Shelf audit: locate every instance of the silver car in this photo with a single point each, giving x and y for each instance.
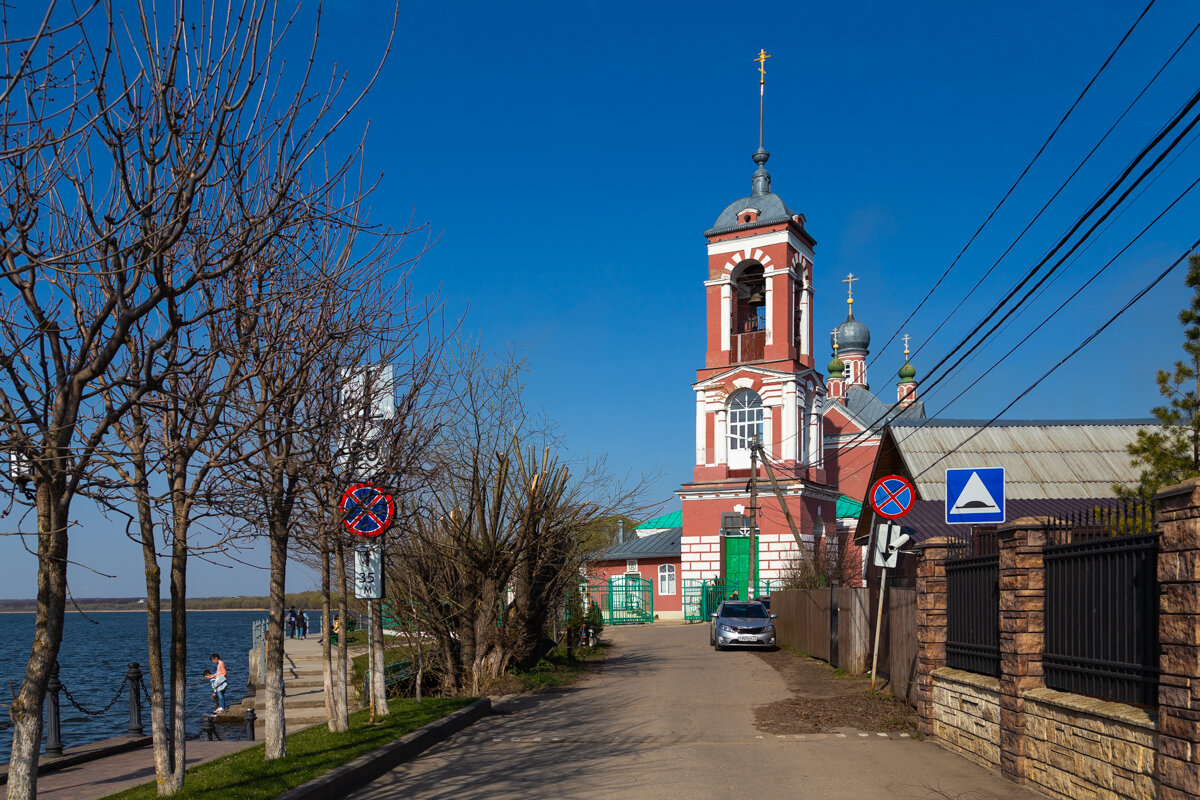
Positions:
(745, 623)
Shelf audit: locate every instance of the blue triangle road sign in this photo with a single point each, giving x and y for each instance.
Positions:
(975, 496)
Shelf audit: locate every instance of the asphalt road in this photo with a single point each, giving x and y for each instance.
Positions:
(668, 717)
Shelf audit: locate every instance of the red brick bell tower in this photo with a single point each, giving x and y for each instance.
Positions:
(758, 383)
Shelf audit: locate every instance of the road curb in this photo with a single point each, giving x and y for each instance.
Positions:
(339, 782)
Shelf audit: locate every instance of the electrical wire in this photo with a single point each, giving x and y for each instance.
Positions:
(1090, 338)
(1053, 197)
(1024, 172)
(1030, 274)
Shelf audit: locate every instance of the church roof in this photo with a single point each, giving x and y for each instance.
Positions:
(771, 211)
(871, 412)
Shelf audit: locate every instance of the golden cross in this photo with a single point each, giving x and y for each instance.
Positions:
(849, 281)
(762, 66)
(906, 337)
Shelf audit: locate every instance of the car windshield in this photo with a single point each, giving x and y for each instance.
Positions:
(744, 610)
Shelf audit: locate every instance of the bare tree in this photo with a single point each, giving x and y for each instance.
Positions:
(179, 129)
(496, 539)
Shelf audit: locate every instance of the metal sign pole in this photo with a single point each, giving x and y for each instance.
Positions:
(371, 665)
(878, 625)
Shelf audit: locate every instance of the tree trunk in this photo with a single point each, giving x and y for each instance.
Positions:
(379, 674)
(331, 715)
(158, 713)
(276, 729)
(179, 674)
(342, 689)
(26, 708)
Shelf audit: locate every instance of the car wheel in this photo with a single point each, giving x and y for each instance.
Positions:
(720, 647)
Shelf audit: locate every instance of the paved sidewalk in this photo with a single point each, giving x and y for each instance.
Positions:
(107, 775)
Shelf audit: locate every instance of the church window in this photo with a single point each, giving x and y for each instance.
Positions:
(666, 579)
(745, 419)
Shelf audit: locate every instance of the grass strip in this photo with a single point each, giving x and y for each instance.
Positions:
(310, 753)
(555, 669)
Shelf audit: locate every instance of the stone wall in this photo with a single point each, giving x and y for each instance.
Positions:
(1079, 748)
(1069, 746)
(966, 714)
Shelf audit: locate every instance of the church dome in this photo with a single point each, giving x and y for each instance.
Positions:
(770, 210)
(836, 367)
(907, 373)
(851, 335)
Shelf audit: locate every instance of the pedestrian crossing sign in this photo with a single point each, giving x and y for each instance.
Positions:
(975, 496)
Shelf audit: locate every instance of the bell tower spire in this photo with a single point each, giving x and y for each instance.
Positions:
(762, 179)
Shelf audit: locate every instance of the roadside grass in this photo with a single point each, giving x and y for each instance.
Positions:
(555, 669)
(310, 753)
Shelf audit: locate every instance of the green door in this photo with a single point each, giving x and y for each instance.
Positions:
(737, 565)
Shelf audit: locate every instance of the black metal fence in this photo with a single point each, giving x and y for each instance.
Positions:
(973, 604)
(1102, 604)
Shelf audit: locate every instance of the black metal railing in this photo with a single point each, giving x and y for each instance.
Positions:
(973, 605)
(1102, 604)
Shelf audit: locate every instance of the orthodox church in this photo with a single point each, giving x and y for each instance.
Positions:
(760, 384)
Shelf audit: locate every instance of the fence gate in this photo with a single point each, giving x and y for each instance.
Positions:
(623, 599)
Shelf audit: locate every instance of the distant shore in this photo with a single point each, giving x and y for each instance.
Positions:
(125, 610)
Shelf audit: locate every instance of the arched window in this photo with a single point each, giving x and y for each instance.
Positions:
(745, 421)
(750, 309)
(666, 579)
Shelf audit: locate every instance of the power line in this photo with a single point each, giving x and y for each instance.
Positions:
(1020, 177)
(1030, 274)
(1057, 192)
(1145, 290)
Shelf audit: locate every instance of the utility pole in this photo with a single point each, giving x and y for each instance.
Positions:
(753, 555)
(804, 556)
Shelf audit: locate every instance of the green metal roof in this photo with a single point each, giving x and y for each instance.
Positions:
(848, 508)
(672, 520)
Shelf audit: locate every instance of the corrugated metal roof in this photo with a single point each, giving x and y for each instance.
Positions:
(672, 520)
(1042, 459)
(656, 545)
(927, 519)
(848, 508)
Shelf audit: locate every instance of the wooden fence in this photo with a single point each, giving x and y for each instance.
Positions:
(806, 619)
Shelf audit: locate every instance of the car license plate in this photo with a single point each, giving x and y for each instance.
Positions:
(748, 638)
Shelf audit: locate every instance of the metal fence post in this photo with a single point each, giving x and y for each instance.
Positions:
(53, 717)
(134, 678)
(248, 723)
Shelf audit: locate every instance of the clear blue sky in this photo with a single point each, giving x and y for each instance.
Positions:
(569, 157)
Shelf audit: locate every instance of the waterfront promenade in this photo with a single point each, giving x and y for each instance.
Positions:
(304, 705)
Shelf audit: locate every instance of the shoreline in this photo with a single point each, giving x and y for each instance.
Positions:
(133, 610)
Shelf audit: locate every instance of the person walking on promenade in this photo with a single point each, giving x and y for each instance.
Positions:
(336, 629)
(220, 681)
(291, 623)
(302, 624)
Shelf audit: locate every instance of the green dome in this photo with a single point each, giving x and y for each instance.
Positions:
(907, 373)
(836, 367)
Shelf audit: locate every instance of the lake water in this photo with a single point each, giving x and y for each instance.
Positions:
(95, 655)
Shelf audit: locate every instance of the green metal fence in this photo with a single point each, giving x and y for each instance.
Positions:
(702, 596)
(623, 599)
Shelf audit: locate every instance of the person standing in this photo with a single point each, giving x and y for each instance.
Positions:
(291, 623)
(302, 622)
(219, 680)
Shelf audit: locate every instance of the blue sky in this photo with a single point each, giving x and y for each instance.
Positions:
(569, 156)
